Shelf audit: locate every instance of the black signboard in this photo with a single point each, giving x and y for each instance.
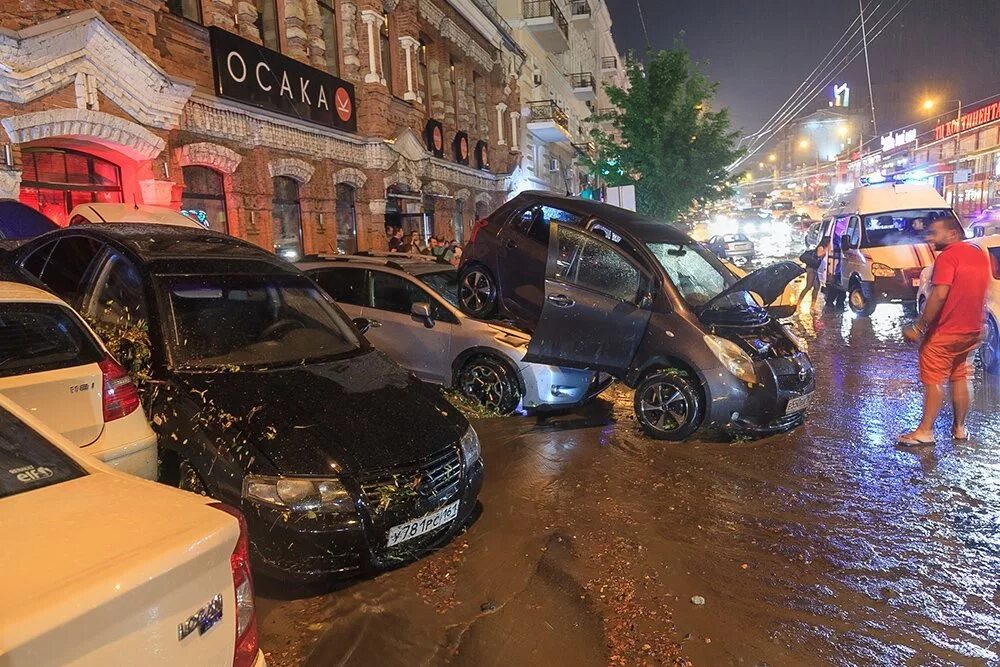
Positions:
(483, 155)
(434, 136)
(460, 147)
(249, 73)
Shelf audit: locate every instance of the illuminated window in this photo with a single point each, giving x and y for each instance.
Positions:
(204, 198)
(286, 218)
(267, 23)
(332, 53)
(56, 180)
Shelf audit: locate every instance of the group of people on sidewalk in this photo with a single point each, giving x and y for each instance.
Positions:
(448, 251)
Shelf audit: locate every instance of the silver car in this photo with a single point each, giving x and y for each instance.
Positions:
(407, 307)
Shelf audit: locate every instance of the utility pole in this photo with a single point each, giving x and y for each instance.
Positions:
(868, 67)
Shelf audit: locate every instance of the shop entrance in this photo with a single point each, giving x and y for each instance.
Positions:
(54, 180)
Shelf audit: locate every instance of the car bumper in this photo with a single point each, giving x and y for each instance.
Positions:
(894, 289)
(128, 445)
(556, 387)
(298, 547)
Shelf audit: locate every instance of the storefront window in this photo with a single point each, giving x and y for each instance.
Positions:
(332, 53)
(458, 222)
(267, 23)
(347, 226)
(189, 9)
(286, 217)
(386, 46)
(204, 198)
(54, 181)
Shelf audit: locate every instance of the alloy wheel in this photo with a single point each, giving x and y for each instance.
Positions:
(664, 407)
(490, 384)
(476, 291)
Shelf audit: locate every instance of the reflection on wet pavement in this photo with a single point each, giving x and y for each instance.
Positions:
(828, 545)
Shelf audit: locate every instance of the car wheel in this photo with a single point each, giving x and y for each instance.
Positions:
(668, 406)
(477, 292)
(189, 479)
(989, 352)
(860, 299)
(490, 382)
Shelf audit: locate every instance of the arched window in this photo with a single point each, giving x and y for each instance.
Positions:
(286, 218)
(458, 222)
(204, 197)
(482, 210)
(54, 180)
(386, 53)
(267, 23)
(328, 17)
(347, 225)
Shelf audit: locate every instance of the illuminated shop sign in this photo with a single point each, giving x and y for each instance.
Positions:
(249, 73)
(899, 139)
(971, 120)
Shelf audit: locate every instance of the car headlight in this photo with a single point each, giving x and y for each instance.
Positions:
(299, 494)
(733, 358)
(470, 447)
(882, 271)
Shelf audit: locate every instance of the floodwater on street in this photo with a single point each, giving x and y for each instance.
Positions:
(829, 545)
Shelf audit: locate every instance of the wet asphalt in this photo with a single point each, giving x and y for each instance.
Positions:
(828, 545)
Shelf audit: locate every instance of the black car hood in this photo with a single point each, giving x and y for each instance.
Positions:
(357, 415)
(768, 283)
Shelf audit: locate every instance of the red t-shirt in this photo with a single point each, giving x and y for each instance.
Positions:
(966, 269)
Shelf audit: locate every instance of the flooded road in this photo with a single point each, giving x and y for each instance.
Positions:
(825, 546)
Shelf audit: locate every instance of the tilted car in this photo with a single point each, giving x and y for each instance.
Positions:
(102, 568)
(736, 247)
(409, 309)
(53, 365)
(604, 289)
(265, 396)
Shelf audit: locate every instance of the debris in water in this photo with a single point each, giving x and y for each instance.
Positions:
(697, 599)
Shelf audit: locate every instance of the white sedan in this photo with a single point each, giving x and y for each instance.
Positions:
(102, 568)
(54, 366)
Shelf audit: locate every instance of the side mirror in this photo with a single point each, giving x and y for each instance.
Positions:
(422, 311)
(364, 324)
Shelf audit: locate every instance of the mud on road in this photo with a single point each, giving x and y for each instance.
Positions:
(597, 546)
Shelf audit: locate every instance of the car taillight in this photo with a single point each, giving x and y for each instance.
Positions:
(246, 612)
(120, 397)
(475, 229)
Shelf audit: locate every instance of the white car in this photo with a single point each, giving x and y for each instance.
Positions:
(55, 367)
(102, 212)
(989, 352)
(407, 306)
(101, 568)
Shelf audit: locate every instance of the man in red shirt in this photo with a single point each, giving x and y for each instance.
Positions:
(951, 327)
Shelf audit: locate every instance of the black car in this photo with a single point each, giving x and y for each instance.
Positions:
(265, 396)
(605, 289)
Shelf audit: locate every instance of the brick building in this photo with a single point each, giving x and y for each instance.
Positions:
(320, 121)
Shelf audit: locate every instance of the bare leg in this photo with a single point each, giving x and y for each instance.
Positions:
(961, 396)
(933, 400)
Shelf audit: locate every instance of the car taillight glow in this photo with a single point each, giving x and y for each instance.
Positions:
(245, 652)
(475, 229)
(119, 395)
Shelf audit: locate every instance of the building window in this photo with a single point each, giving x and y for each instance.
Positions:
(347, 224)
(204, 198)
(332, 53)
(53, 181)
(423, 75)
(458, 222)
(386, 53)
(267, 23)
(286, 218)
(189, 9)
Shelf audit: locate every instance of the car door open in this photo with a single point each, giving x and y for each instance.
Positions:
(596, 305)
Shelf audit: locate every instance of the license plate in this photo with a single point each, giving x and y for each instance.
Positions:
(798, 404)
(916, 282)
(426, 523)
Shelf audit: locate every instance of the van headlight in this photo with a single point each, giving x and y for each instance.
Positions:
(733, 358)
(882, 271)
(299, 494)
(470, 448)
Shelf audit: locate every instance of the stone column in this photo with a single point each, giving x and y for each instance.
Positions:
(501, 141)
(410, 46)
(373, 23)
(515, 122)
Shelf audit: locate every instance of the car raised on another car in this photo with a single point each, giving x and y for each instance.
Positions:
(408, 307)
(102, 568)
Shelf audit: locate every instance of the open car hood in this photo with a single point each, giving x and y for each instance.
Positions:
(768, 283)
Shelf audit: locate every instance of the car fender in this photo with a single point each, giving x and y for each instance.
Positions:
(468, 353)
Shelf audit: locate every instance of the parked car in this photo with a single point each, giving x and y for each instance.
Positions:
(53, 365)
(408, 308)
(265, 396)
(732, 246)
(98, 213)
(101, 568)
(989, 352)
(604, 289)
(985, 223)
(20, 221)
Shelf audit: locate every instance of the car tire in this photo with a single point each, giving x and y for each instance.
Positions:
(490, 382)
(668, 405)
(989, 351)
(860, 300)
(477, 291)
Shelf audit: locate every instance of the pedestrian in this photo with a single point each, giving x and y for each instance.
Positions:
(416, 243)
(456, 255)
(815, 261)
(949, 329)
(396, 240)
(438, 248)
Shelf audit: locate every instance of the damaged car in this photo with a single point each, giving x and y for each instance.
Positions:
(605, 289)
(265, 396)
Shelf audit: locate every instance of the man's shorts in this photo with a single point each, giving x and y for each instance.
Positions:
(945, 357)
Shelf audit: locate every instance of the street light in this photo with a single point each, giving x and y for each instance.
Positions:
(804, 144)
(772, 158)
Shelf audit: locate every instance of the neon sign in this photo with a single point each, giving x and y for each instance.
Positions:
(973, 119)
(842, 95)
(899, 139)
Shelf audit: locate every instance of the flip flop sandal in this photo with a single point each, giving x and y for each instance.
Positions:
(907, 441)
(959, 440)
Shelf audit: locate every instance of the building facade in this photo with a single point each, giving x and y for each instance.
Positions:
(304, 126)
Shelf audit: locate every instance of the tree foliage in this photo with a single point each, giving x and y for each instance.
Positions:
(673, 147)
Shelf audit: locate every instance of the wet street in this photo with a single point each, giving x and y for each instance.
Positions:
(825, 546)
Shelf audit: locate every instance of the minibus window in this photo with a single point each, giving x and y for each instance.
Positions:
(900, 227)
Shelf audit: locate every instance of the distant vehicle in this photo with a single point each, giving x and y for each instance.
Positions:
(800, 222)
(758, 199)
(20, 221)
(824, 202)
(732, 246)
(812, 237)
(779, 209)
(985, 223)
(409, 310)
(54, 366)
(138, 213)
(107, 569)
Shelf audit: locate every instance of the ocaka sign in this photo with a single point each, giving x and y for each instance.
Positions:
(249, 73)
(971, 120)
(483, 155)
(460, 147)
(434, 136)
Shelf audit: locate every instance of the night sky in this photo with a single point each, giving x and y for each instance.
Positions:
(760, 50)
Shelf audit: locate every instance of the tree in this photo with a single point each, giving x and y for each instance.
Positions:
(673, 147)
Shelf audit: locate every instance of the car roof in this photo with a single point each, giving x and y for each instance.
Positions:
(135, 213)
(17, 292)
(887, 197)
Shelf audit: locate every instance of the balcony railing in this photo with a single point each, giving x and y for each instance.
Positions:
(583, 80)
(548, 110)
(579, 8)
(609, 62)
(588, 148)
(537, 9)
(507, 33)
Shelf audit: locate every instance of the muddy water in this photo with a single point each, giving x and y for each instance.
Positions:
(828, 545)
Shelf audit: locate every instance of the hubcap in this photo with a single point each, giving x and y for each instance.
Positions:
(664, 407)
(485, 385)
(475, 291)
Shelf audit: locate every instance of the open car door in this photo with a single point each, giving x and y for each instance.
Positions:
(596, 308)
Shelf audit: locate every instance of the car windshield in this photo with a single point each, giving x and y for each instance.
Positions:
(28, 461)
(900, 227)
(237, 320)
(697, 273)
(444, 283)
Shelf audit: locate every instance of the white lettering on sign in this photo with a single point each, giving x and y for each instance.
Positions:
(321, 99)
(899, 139)
(303, 86)
(286, 86)
(229, 66)
(259, 82)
